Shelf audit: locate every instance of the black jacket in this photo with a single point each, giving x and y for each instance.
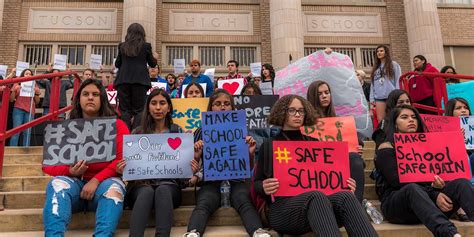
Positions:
(133, 70)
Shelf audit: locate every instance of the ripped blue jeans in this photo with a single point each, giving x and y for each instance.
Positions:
(63, 199)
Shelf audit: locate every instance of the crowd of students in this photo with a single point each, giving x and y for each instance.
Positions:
(98, 187)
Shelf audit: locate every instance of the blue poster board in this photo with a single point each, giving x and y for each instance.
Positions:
(463, 90)
(155, 156)
(225, 152)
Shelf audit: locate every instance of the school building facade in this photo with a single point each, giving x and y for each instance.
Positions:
(214, 31)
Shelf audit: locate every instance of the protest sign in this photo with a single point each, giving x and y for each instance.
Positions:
(115, 69)
(266, 88)
(421, 156)
(112, 96)
(95, 61)
(338, 71)
(158, 156)
(179, 65)
(156, 85)
(225, 151)
(27, 89)
(302, 166)
(233, 86)
(468, 124)
(257, 108)
(203, 85)
(60, 61)
(69, 141)
(3, 71)
(187, 112)
(334, 129)
(20, 67)
(436, 123)
(256, 69)
(210, 73)
(463, 90)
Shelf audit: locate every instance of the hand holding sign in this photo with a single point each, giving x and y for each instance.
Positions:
(60, 62)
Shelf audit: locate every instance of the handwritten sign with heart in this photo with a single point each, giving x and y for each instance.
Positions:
(158, 156)
(233, 86)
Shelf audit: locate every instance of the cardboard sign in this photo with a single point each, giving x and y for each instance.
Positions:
(210, 73)
(27, 89)
(421, 156)
(112, 96)
(20, 67)
(468, 124)
(155, 85)
(187, 112)
(69, 141)
(233, 86)
(436, 123)
(225, 152)
(257, 108)
(179, 65)
(266, 88)
(203, 85)
(3, 71)
(463, 90)
(60, 61)
(302, 166)
(256, 69)
(158, 156)
(95, 61)
(334, 129)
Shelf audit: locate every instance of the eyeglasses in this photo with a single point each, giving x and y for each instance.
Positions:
(219, 104)
(293, 111)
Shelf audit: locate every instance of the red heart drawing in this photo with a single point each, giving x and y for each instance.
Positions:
(174, 143)
(231, 87)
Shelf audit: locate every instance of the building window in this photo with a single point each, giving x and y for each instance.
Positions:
(368, 57)
(108, 52)
(212, 55)
(75, 53)
(456, 1)
(347, 51)
(37, 54)
(362, 57)
(178, 52)
(244, 55)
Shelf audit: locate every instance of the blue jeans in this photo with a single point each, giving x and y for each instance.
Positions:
(63, 199)
(20, 117)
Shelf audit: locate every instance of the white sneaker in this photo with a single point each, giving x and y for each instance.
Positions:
(192, 233)
(261, 233)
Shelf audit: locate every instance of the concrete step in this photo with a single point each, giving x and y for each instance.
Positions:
(23, 159)
(22, 170)
(30, 183)
(23, 150)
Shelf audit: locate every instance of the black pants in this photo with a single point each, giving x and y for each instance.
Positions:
(163, 198)
(132, 99)
(314, 211)
(357, 166)
(209, 200)
(412, 205)
(429, 101)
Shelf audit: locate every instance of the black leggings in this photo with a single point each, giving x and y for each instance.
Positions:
(132, 99)
(314, 211)
(357, 166)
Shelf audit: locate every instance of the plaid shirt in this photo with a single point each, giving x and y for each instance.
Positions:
(236, 76)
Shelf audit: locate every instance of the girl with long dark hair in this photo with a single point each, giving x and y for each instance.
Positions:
(422, 87)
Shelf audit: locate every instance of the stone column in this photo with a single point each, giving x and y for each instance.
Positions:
(2, 2)
(286, 26)
(143, 12)
(424, 31)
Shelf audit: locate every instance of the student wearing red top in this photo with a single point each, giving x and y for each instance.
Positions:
(421, 87)
(86, 187)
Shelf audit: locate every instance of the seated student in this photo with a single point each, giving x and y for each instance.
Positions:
(396, 98)
(319, 96)
(311, 211)
(86, 187)
(450, 70)
(411, 203)
(251, 89)
(208, 197)
(194, 90)
(162, 194)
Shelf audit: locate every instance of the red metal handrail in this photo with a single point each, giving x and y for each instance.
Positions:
(53, 113)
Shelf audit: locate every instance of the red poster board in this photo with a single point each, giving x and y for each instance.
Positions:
(302, 166)
(421, 156)
(333, 129)
(436, 123)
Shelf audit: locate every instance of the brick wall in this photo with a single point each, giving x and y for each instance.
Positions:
(457, 26)
(266, 38)
(398, 34)
(9, 36)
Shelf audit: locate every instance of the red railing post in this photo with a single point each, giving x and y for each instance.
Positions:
(3, 123)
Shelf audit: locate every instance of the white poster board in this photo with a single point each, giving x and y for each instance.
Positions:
(256, 69)
(95, 61)
(60, 61)
(27, 89)
(3, 71)
(233, 86)
(179, 65)
(20, 66)
(210, 73)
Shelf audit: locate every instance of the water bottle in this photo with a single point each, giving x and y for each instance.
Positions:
(225, 194)
(374, 214)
